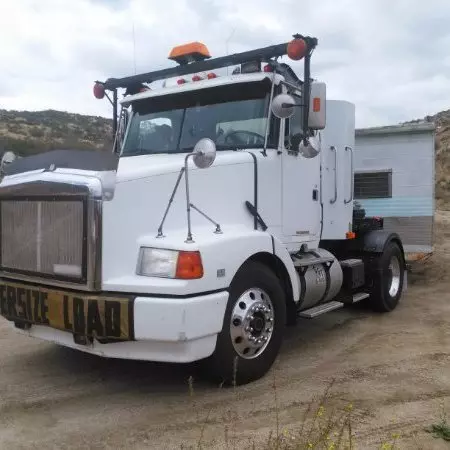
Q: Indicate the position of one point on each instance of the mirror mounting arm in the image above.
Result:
(306, 95)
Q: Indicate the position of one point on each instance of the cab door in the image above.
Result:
(301, 199)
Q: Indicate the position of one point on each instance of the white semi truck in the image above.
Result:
(224, 213)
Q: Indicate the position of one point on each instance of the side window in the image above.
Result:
(376, 184)
(294, 127)
(273, 140)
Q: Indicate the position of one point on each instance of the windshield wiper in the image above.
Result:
(218, 147)
(143, 151)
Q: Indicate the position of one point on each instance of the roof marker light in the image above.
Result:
(297, 49)
(196, 78)
(211, 75)
(181, 81)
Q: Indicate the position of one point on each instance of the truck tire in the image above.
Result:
(388, 283)
(253, 327)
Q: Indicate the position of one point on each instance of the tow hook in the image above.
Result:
(22, 325)
(82, 340)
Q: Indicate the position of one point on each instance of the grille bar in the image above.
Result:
(45, 237)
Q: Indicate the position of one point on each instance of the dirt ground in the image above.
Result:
(394, 369)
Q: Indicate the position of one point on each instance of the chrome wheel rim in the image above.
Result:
(251, 325)
(394, 268)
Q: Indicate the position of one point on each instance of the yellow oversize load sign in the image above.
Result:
(87, 315)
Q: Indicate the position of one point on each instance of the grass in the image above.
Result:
(440, 430)
(321, 427)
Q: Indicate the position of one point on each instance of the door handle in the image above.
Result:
(333, 149)
(351, 175)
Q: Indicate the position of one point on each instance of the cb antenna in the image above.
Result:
(226, 44)
(134, 48)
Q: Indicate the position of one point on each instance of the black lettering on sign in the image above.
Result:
(3, 308)
(11, 300)
(112, 319)
(67, 324)
(44, 308)
(79, 323)
(29, 308)
(94, 324)
(35, 299)
(22, 312)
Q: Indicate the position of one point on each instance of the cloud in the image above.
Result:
(387, 57)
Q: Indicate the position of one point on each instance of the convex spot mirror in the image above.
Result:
(311, 148)
(7, 158)
(204, 153)
(283, 106)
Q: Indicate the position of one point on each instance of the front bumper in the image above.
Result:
(165, 329)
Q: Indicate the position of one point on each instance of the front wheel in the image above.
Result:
(253, 326)
(388, 284)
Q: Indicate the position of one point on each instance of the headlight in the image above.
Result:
(155, 262)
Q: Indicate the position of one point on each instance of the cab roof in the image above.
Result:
(201, 84)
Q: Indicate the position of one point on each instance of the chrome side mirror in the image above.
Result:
(204, 153)
(283, 106)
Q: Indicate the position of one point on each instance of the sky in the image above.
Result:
(391, 58)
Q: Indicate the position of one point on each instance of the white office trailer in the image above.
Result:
(395, 179)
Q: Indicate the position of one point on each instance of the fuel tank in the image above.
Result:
(320, 277)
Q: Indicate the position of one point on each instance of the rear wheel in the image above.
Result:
(253, 327)
(388, 280)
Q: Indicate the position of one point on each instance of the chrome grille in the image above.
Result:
(44, 237)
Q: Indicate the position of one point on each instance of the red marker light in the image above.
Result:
(196, 78)
(297, 49)
(316, 104)
(99, 91)
(211, 75)
(181, 81)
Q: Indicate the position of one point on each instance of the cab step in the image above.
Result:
(320, 309)
(306, 262)
(360, 296)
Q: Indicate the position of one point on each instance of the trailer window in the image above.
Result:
(233, 116)
(376, 184)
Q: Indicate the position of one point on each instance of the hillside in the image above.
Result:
(27, 132)
(442, 121)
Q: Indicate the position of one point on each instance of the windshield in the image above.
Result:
(233, 116)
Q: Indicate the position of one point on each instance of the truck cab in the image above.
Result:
(223, 213)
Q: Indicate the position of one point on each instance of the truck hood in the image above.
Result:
(104, 170)
(143, 166)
